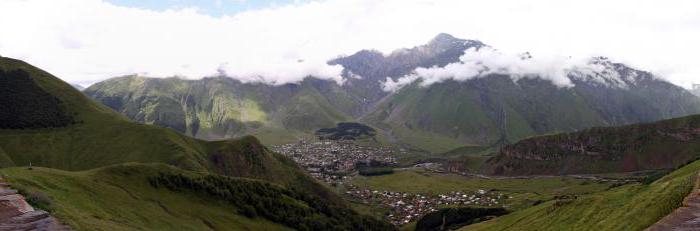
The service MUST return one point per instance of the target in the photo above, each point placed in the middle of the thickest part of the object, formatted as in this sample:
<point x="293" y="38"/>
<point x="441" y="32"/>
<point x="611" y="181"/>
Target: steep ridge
<point x="659" y="145"/>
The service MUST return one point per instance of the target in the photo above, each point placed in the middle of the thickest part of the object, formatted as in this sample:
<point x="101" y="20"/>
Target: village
<point x="336" y="162"/>
<point x="333" y="161"/>
<point x="406" y="207"/>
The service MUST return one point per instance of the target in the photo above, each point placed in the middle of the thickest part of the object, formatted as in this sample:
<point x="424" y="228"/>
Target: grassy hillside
<point x="217" y="108"/>
<point x="628" y="207"/>
<point x="155" y="197"/>
<point x="104" y="138"/>
<point x="120" y="198"/>
<point x="22" y="97"/>
<point x="660" y="145"/>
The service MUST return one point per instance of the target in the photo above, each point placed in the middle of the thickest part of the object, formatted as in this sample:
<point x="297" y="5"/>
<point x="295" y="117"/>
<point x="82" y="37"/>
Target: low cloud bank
<point x="83" y="41"/>
<point x="478" y="63"/>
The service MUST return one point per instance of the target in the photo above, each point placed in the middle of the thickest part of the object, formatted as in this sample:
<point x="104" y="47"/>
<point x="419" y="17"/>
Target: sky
<point x="215" y="8"/>
<point x="276" y="42"/>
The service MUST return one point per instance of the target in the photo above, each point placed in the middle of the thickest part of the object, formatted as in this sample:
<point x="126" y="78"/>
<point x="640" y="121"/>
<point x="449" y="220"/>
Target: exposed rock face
<point x="664" y="144"/>
<point x="367" y="69"/>
<point x="17" y="214"/>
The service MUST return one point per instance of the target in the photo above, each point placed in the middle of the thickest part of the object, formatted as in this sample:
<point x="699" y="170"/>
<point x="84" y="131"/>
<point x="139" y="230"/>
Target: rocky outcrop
<point x="17" y="214"/>
<point x="661" y="145"/>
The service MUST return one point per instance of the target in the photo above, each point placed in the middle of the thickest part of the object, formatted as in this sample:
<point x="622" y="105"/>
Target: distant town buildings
<point x="406" y="207"/>
<point x="333" y="161"/>
<point x="336" y="162"/>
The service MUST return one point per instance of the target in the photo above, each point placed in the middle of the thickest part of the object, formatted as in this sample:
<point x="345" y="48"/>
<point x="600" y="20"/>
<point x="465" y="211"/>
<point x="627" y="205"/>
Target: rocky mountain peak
<point x="444" y="41"/>
<point x="444" y="38"/>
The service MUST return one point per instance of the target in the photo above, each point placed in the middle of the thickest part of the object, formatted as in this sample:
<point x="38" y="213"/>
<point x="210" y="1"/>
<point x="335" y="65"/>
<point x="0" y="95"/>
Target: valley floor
<point x="575" y="202"/>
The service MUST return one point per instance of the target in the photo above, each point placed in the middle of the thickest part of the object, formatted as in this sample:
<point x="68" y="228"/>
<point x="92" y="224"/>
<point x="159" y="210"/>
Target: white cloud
<point x="89" y="40"/>
<point x="476" y="63"/>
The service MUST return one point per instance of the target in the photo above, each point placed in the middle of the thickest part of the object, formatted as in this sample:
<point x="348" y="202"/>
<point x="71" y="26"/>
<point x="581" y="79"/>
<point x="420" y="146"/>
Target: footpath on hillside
<point x="685" y="218"/>
<point x="17" y="214"/>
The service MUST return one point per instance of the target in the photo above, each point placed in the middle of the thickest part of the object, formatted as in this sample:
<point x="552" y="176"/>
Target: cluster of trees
<point x="24" y="105"/>
<point x="376" y="171"/>
<point x="452" y="218"/>
<point x="374" y="168"/>
<point x="253" y="198"/>
<point x="346" y="131"/>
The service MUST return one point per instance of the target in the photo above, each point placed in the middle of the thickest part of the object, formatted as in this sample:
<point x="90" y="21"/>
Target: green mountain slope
<point x="161" y="197"/>
<point x="217" y="108"/>
<point x="628" y="207"/>
<point x="660" y="145"/>
<point x="100" y="137"/>
<point x="120" y="198"/>
<point x="495" y="110"/>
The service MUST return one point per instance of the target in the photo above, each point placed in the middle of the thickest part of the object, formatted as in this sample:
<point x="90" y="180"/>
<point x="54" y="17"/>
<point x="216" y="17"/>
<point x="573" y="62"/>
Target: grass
<point x="629" y="207"/>
<point x="419" y="181"/>
<point x="103" y="138"/>
<point x="523" y="191"/>
<point x="120" y="198"/>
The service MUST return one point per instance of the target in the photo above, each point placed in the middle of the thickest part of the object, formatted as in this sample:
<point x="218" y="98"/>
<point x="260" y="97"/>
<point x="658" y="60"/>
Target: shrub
<point x="39" y="200"/>
<point x="376" y="171"/>
<point x="452" y="218"/>
<point x="291" y="207"/>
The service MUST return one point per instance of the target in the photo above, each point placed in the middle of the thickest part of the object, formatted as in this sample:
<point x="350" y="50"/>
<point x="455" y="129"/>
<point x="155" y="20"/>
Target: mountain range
<point x="98" y="170"/>
<point x="491" y="110"/>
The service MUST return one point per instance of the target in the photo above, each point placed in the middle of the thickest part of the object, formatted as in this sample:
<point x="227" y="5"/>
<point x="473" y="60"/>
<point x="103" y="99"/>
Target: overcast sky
<point x="83" y="41"/>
